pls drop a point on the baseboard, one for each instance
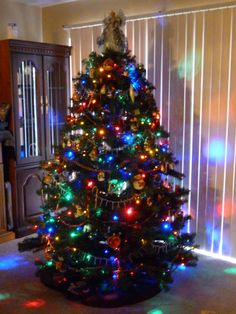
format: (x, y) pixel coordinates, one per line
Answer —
(6, 236)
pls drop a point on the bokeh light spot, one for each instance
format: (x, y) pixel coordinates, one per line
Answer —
(34, 303)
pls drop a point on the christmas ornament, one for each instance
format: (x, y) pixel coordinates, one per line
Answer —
(75, 96)
(92, 72)
(108, 65)
(78, 212)
(87, 228)
(103, 89)
(131, 93)
(138, 182)
(47, 180)
(114, 241)
(134, 124)
(166, 184)
(58, 265)
(117, 187)
(101, 176)
(149, 201)
(93, 154)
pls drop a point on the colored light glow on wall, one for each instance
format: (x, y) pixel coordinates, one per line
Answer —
(4, 296)
(230, 271)
(216, 150)
(185, 66)
(227, 208)
(34, 303)
(12, 261)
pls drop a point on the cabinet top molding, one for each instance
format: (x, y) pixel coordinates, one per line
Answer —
(37, 48)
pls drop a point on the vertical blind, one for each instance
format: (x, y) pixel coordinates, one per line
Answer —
(191, 59)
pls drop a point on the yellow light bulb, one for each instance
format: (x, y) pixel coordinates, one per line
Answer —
(102, 132)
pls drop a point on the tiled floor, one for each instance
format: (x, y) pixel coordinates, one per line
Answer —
(207, 289)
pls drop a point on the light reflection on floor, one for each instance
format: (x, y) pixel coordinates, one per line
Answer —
(12, 261)
(36, 303)
(155, 311)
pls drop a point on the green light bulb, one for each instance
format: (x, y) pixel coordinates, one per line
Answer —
(88, 257)
(68, 196)
(49, 263)
(98, 212)
(73, 234)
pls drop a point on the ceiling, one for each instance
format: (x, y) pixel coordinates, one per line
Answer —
(43, 2)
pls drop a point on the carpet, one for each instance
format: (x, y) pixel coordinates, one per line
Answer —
(208, 288)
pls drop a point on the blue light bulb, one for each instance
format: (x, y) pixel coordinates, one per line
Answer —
(166, 226)
(70, 154)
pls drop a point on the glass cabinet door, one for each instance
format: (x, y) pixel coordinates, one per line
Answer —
(56, 100)
(28, 108)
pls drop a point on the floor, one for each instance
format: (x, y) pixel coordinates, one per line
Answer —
(207, 289)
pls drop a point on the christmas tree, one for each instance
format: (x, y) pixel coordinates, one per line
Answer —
(112, 214)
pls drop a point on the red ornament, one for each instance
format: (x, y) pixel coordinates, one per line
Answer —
(114, 241)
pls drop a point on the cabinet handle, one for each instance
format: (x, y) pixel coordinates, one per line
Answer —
(46, 104)
(41, 104)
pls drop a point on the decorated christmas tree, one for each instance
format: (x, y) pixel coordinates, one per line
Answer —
(112, 215)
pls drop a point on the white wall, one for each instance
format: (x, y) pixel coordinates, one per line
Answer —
(28, 19)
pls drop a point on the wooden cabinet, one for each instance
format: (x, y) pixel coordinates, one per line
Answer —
(34, 79)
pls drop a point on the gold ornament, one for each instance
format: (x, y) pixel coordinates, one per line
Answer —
(149, 201)
(134, 124)
(108, 65)
(78, 212)
(138, 182)
(75, 96)
(92, 72)
(131, 93)
(147, 144)
(93, 154)
(47, 180)
(103, 89)
(58, 265)
(101, 176)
